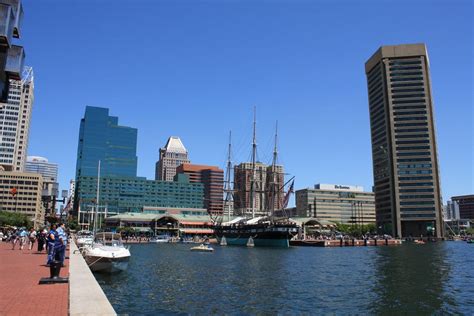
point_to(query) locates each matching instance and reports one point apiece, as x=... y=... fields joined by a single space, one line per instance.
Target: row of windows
x=407 y=79
x=411 y=203
x=415 y=141
x=397 y=113
x=412 y=84
x=412 y=148
x=398 y=136
x=428 y=196
x=413 y=159
x=419 y=184
x=408 y=90
x=418 y=101
x=415 y=190
x=411 y=130
x=408 y=73
x=414 y=178
x=409 y=107
x=405 y=68
x=404 y=62
x=424 y=165
x=414 y=172
x=410 y=124
x=422 y=153
x=405 y=96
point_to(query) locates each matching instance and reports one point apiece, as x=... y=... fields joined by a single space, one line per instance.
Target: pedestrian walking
x=15 y=236
x=42 y=239
x=23 y=236
x=32 y=238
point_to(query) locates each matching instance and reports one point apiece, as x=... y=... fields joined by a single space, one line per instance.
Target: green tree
x=15 y=219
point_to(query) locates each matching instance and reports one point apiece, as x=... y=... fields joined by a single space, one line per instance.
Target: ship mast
x=254 y=157
x=227 y=186
x=274 y=179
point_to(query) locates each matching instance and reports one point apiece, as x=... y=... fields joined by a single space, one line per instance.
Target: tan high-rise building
x=21 y=192
x=265 y=178
x=213 y=180
x=15 y=118
x=172 y=156
x=404 y=150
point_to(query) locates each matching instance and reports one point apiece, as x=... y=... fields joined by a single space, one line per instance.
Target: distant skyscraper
x=15 y=118
x=404 y=152
x=172 y=155
x=49 y=171
x=101 y=138
x=213 y=180
x=465 y=204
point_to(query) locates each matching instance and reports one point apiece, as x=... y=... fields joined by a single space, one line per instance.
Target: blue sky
x=196 y=69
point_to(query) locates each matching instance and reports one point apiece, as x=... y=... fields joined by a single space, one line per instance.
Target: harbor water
x=436 y=278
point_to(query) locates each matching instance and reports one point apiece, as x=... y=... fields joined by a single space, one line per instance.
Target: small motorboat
x=160 y=239
x=203 y=248
x=470 y=241
x=107 y=253
x=419 y=242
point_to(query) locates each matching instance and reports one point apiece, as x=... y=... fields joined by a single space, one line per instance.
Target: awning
x=193 y=223
x=196 y=231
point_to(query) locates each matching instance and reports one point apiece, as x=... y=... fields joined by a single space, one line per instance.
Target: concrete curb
x=85 y=294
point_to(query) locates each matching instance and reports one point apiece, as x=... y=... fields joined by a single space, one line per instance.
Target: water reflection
x=410 y=279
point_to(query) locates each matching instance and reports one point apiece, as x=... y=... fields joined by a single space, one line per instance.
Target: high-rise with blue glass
x=101 y=138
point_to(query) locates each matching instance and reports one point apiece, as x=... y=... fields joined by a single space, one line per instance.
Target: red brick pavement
x=20 y=293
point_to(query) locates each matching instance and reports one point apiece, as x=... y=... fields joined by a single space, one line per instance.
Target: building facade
x=268 y=189
x=21 y=192
x=131 y=194
x=213 y=180
x=49 y=172
x=465 y=206
x=15 y=118
x=344 y=204
x=102 y=139
x=404 y=149
x=11 y=56
x=172 y=156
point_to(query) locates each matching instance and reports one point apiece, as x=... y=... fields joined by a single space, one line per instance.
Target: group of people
x=54 y=241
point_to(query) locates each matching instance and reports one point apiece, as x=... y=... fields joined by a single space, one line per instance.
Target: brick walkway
x=20 y=293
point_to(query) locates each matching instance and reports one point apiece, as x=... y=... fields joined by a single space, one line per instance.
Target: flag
x=287 y=196
x=13 y=191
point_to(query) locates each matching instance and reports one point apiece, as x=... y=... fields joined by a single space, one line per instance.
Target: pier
x=346 y=242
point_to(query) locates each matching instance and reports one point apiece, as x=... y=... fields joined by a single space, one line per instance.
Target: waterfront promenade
x=20 y=293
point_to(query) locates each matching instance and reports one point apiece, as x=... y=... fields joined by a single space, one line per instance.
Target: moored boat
x=107 y=254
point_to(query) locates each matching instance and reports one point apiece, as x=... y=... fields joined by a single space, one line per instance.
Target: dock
x=345 y=242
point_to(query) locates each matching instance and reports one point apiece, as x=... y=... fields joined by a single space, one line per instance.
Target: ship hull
x=270 y=236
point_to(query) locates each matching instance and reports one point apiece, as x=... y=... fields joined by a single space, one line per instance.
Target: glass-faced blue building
x=101 y=138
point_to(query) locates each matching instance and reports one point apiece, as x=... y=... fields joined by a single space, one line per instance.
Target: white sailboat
x=107 y=253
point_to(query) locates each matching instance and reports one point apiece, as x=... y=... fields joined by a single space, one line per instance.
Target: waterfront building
x=212 y=178
x=404 y=150
x=15 y=118
x=102 y=138
x=21 y=192
x=131 y=194
x=465 y=206
x=172 y=156
x=171 y=221
x=346 y=204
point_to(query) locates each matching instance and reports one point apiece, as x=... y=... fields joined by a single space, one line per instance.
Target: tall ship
x=270 y=227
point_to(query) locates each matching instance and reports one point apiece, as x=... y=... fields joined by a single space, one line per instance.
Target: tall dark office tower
x=404 y=152
x=101 y=138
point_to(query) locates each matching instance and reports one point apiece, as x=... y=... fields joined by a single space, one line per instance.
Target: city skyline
x=299 y=91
